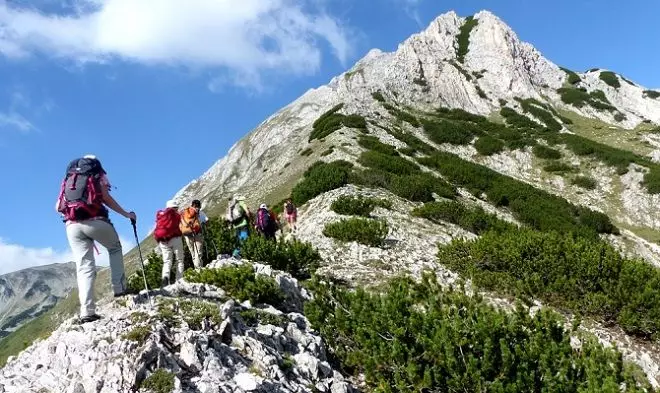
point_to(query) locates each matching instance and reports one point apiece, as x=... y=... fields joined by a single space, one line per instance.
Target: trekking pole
x=144 y=276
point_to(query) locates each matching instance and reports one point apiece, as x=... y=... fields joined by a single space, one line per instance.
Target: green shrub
x=518 y=121
x=487 y=145
x=138 y=334
x=619 y=116
x=329 y=151
x=540 y=111
x=161 y=381
x=331 y=121
x=307 y=152
x=464 y=37
x=585 y=182
x=253 y=316
x=370 y=142
x=420 y=187
x=374 y=178
x=412 y=141
x=587 y=276
x=319 y=178
x=393 y=164
x=378 y=96
x=542 y=151
x=416 y=337
x=565 y=120
x=462 y=70
x=610 y=78
x=364 y=231
x=460 y=115
x=153 y=268
x=579 y=98
x=240 y=282
x=530 y=205
x=473 y=219
x=651 y=94
x=219 y=233
x=559 y=167
x=443 y=131
x=402 y=115
x=573 y=78
x=358 y=205
x=480 y=92
x=612 y=156
x=300 y=259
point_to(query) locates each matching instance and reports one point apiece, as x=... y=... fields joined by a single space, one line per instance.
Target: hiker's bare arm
x=112 y=204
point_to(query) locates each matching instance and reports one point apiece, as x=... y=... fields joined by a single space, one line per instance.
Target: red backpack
x=167 y=224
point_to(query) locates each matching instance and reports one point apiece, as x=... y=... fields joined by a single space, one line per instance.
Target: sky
x=160 y=90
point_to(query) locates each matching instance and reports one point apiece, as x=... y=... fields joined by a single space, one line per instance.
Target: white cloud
x=244 y=37
x=15 y=120
x=15 y=257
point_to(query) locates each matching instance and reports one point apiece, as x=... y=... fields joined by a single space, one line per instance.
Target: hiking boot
x=89 y=318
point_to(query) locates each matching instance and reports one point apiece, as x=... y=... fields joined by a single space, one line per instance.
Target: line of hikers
x=172 y=225
x=83 y=203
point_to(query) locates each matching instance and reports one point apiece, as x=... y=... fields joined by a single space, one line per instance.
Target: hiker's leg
x=104 y=233
x=82 y=248
x=166 y=249
x=177 y=246
x=199 y=245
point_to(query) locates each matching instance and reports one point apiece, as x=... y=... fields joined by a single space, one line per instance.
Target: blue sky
x=160 y=95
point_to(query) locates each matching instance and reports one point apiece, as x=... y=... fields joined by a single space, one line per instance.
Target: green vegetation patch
x=442 y=131
x=358 y=205
x=371 y=142
x=331 y=121
x=586 y=182
x=541 y=112
x=464 y=37
x=610 y=78
x=161 y=381
x=416 y=337
x=546 y=152
x=240 y=282
x=579 y=98
x=378 y=96
x=651 y=94
x=364 y=231
x=402 y=115
x=573 y=78
x=473 y=219
x=298 y=258
x=530 y=205
x=319 y=178
x=393 y=164
x=587 y=276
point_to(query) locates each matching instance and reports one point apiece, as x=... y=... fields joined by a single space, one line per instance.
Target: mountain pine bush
x=370 y=142
x=464 y=37
x=573 y=78
x=358 y=205
x=331 y=121
x=240 y=282
x=473 y=219
x=541 y=112
x=319 y=178
x=585 y=275
x=153 y=268
x=610 y=78
x=300 y=259
x=586 y=182
x=651 y=94
x=487 y=145
x=530 y=205
x=546 y=152
x=442 y=131
x=416 y=337
x=420 y=187
x=402 y=115
x=393 y=164
x=364 y=231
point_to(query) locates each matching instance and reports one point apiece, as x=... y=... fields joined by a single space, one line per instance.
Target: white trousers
x=195 y=248
x=172 y=249
x=81 y=236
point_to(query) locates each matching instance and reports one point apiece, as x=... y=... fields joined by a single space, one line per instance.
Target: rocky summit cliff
x=528 y=190
x=28 y=293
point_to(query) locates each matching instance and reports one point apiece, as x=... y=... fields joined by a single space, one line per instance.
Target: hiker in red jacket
x=168 y=235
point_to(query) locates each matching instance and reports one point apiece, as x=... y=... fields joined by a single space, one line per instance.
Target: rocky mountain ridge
x=425 y=72
x=27 y=293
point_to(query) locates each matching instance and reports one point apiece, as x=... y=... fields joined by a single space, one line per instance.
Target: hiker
x=192 y=219
x=266 y=222
x=238 y=215
x=291 y=214
x=82 y=201
x=168 y=235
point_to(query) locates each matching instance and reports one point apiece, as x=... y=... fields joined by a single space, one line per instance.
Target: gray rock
x=246 y=382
